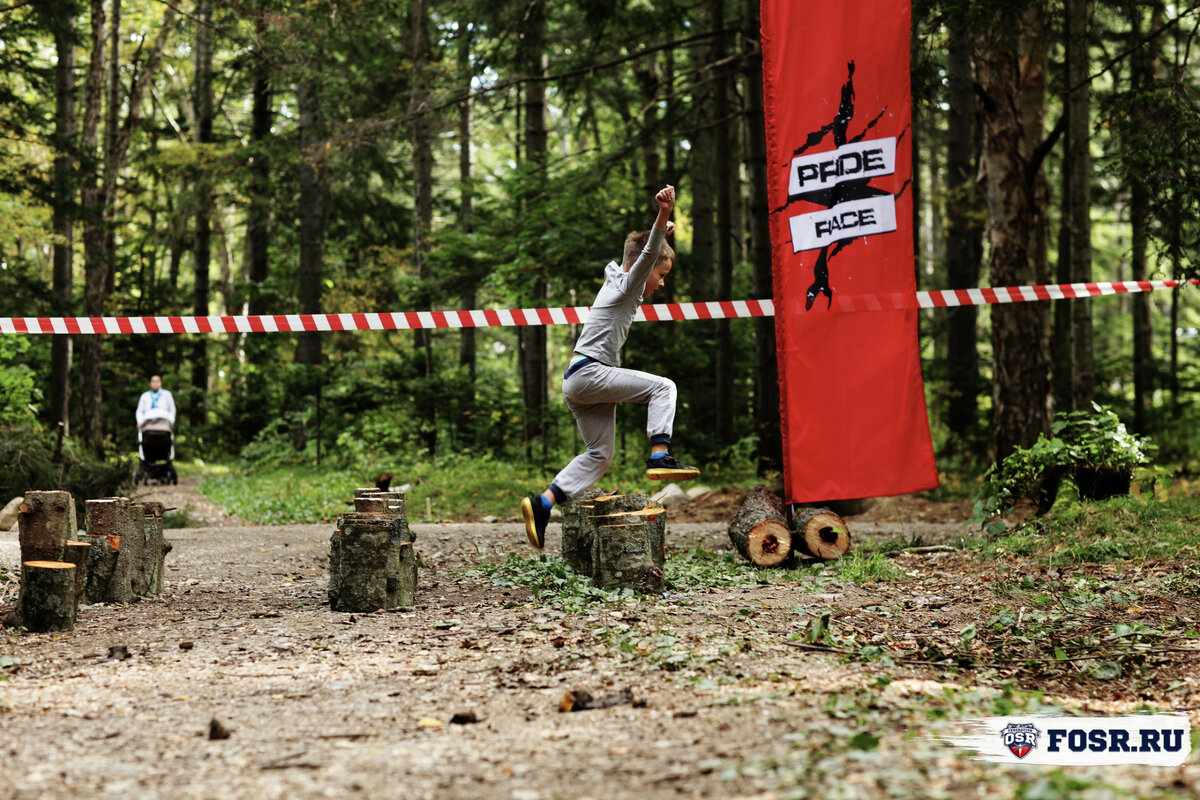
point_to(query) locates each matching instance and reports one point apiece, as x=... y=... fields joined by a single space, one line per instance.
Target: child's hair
x=635 y=243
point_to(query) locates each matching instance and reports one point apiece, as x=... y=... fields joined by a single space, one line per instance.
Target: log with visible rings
x=820 y=533
x=47 y=600
x=759 y=529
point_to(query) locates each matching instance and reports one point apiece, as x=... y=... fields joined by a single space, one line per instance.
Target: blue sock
x=659 y=455
x=546 y=504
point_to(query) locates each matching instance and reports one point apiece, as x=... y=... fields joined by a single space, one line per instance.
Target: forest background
x=264 y=156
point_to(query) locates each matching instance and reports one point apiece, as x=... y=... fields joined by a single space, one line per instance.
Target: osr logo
x=1020 y=738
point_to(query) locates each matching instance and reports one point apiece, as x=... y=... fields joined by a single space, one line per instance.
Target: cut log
x=76 y=553
x=371 y=504
x=372 y=564
x=367 y=491
x=622 y=558
x=578 y=531
x=46 y=521
x=616 y=503
x=759 y=529
x=820 y=533
x=47 y=599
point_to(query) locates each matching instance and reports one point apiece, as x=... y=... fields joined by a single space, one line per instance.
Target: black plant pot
x=1047 y=491
x=1099 y=484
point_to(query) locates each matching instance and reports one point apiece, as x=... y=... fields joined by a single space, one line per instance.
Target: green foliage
x=552 y=582
x=1097 y=441
x=27 y=463
x=18 y=382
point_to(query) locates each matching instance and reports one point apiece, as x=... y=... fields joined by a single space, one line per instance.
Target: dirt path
x=321 y=704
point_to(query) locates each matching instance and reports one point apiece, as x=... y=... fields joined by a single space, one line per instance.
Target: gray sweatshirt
x=607 y=325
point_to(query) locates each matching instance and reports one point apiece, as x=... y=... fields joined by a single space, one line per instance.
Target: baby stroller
x=156 y=452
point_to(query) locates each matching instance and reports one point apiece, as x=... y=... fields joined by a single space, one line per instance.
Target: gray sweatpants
x=592 y=394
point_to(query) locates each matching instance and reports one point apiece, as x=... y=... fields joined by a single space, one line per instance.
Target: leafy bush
x=27 y=463
x=1080 y=441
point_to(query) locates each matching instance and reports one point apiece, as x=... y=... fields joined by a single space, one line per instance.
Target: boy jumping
x=594 y=382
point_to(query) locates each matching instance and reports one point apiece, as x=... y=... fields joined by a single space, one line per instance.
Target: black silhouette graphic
x=857 y=189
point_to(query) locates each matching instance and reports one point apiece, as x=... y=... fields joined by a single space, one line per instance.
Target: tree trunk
x=465 y=424
x=629 y=553
x=95 y=268
x=820 y=533
x=258 y=236
x=766 y=368
x=62 y=21
x=422 y=141
x=202 y=103
x=759 y=530
x=532 y=339
x=964 y=245
x=1078 y=104
x=723 y=169
x=1141 y=78
x=76 y=552
x=312 y=216
x=1011 y=70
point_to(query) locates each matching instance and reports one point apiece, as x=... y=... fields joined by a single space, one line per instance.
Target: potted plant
x=1094 y=449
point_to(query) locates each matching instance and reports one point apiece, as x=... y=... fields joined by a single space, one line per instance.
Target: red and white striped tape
x=572 y=315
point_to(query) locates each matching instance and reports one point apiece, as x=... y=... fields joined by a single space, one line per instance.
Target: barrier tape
x=573 y=315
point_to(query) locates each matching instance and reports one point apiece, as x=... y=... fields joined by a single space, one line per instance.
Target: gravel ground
x=322 y=704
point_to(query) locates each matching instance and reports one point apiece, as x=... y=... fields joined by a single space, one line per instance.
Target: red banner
x=839 y=163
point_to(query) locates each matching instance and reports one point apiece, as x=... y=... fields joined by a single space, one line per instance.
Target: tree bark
x=372 y=565
x=1078 y=105
x=62 y=20
x=45 y=522
x=47 y=600
x=579 y=531
x=759 y=530
x=766 y=367
x=465 y=423
x=258 y=236
x=312 y=171
x=964 y=245
x=422 y=141
x=532 y=339
x=202 y=103
x=1011 y=69
x=1141 y=78
x=723 y=168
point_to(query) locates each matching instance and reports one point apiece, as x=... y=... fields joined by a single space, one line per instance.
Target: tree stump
x=759 y=529
x=46 y=522
x=47 y=599
x=371 y=504
x=372 y=564
x=578 y=531
x=134 y=549
x=117 y=547
x=155 y=549
x=654 y=516
x=820 y=533
x=76 y=553
x=622 y=559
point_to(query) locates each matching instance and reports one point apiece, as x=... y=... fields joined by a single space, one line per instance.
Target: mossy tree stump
x=578 y=531
x=372 y=564
x=155 y=549
x=76 y=552
x=628 y=546
x=47 y=599
x=759 y=530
